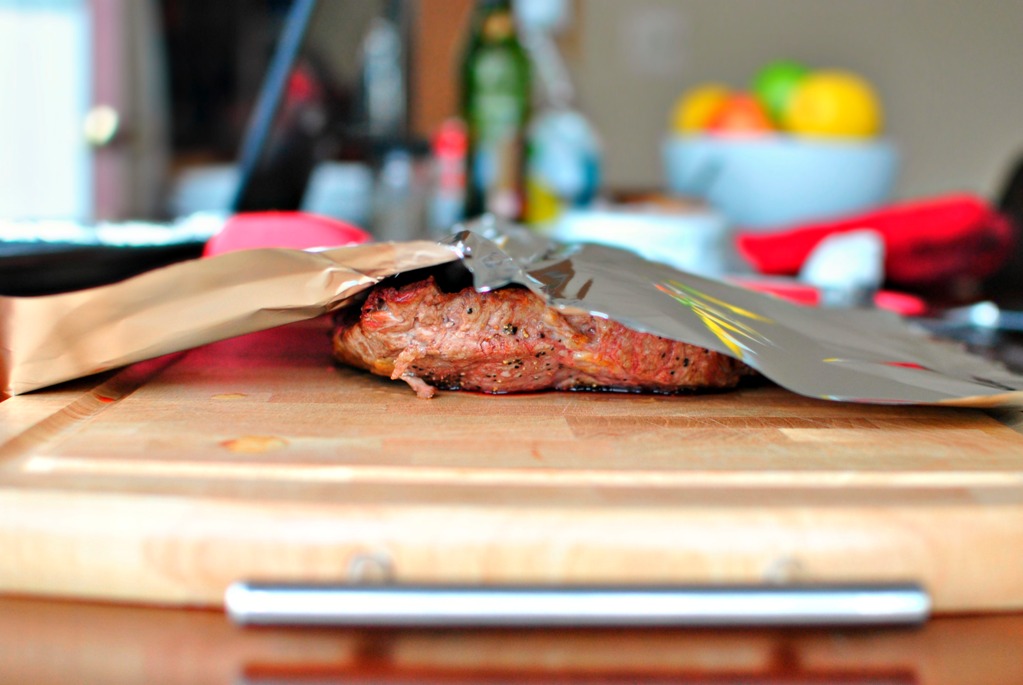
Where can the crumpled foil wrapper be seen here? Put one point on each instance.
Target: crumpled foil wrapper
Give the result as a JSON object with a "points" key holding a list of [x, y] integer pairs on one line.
{"points": [[865, 356]]}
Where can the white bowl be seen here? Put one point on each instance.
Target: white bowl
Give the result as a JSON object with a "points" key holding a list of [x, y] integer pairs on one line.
{"points": [[773, 181]]}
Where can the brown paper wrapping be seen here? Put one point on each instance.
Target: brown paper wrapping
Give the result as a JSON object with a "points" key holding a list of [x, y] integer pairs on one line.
{"points": [[50, 339]]}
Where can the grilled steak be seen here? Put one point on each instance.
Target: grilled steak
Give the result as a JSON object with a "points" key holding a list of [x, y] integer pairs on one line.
{"points": [[510, 340]]}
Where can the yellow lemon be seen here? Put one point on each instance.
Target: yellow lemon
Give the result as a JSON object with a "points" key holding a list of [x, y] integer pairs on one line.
{"points": [[833, 103], [697, 106]]}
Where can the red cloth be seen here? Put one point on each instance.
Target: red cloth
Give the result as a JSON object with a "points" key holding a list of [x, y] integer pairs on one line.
{"points": [[926, 241]]}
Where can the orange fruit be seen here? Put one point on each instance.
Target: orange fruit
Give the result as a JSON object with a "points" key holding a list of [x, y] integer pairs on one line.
{"points": [[741, 114]]}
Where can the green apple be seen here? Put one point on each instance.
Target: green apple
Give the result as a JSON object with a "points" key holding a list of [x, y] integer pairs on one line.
{"points": [[775, 83]]}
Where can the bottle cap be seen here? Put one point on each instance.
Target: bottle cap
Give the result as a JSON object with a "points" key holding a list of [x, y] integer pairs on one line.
{"points": [[451, 138]]}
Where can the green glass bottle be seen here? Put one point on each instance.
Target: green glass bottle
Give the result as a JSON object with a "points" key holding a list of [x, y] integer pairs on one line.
{"points": [[495, 105]]}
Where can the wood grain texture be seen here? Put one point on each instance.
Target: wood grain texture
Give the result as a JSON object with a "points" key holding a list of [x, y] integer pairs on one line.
{"points": [[256, 458]]}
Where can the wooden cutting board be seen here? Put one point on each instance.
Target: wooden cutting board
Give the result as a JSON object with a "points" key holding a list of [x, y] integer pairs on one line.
{"points": [[256, 458]]}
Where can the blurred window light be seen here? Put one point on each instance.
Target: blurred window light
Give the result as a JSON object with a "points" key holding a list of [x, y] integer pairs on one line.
{"points": [[45, 65]]}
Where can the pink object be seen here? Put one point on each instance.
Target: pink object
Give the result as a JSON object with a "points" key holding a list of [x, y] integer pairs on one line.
{"points": [[298, 230]]}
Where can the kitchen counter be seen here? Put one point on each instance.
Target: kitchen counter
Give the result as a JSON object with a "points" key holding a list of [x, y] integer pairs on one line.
{"points": [[51, 642]]}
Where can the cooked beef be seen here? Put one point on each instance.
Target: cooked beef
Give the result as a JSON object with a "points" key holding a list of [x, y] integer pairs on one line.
{"points": [[510, 340]]}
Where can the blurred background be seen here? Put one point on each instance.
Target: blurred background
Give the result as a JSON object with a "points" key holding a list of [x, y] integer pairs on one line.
{"points": [[149, 110]]}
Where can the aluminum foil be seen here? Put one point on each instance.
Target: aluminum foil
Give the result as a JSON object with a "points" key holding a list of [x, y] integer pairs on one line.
{"points": [[848, 355], [851, 355]]}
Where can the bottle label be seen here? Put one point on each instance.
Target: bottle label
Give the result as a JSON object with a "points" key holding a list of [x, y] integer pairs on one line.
{"points": [[498, 102]]}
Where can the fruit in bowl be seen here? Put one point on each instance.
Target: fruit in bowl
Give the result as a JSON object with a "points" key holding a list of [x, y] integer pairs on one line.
{"points": [[833, 103], [740, 114], [775, 83], [800, 144], [785, 97], [694, 109]]}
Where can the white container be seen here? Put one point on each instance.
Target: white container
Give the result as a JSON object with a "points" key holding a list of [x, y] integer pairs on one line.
{"points": [[697, 241], [776, 181]]}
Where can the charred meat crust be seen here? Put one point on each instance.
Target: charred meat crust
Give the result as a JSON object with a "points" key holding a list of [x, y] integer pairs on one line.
{"points": [[509, 340]]}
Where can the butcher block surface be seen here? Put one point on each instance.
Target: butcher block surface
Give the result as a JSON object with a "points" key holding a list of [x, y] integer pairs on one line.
{"points": [[258, 459]]}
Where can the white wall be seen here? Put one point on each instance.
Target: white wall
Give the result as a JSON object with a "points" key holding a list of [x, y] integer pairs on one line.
{"points": [[950, 73]]}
